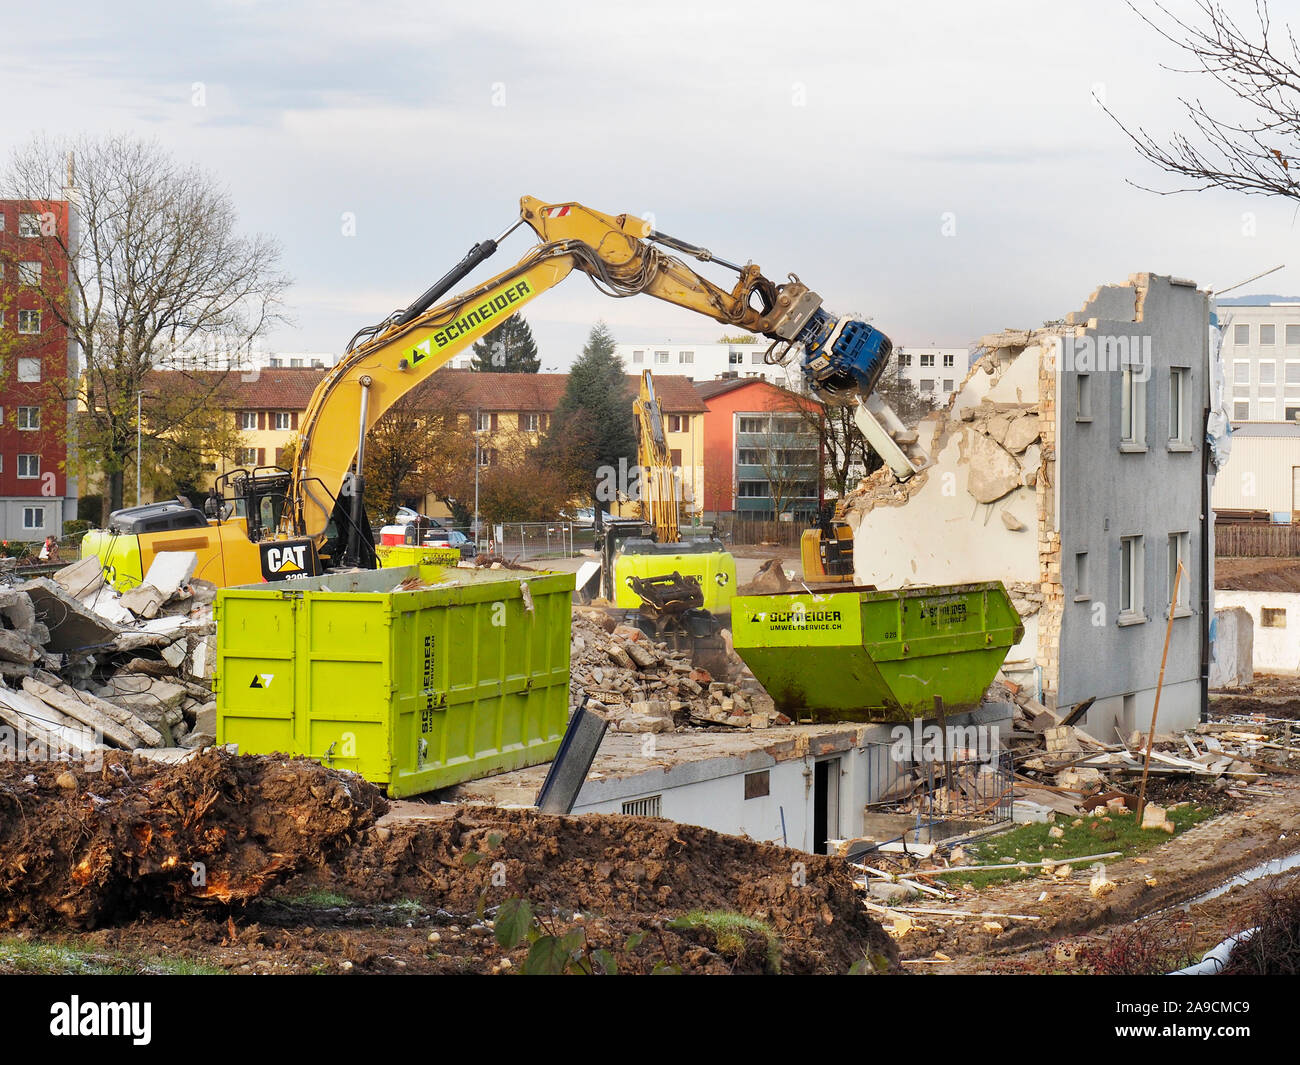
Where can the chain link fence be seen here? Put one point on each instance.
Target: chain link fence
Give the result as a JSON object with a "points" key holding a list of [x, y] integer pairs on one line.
{"points": [[525, 541]]}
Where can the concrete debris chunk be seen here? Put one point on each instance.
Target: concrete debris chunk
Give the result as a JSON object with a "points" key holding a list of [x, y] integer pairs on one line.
{"points": [[143, 600], [14, 647], [1021, 433], [993, 472], [170, 570], [73, 625], [83, 577]]}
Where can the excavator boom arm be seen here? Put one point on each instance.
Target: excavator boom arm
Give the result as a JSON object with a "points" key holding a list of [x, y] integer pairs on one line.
{"points": [[623, 256]]}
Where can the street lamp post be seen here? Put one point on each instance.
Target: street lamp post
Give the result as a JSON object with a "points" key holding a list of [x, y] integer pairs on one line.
{"points": [[477, 444], [139, 393]]}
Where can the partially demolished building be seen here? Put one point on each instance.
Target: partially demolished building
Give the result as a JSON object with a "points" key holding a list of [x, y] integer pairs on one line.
{"points": [[1070, 465]]}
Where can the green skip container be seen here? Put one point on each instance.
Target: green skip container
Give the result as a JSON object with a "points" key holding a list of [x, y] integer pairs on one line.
{"points": [[876, 655], [413, 689]]}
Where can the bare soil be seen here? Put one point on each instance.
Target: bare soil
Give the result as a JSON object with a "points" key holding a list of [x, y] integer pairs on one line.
{"points": [[1269, 694], [302, 876], [80, 848], [1257, 574]]}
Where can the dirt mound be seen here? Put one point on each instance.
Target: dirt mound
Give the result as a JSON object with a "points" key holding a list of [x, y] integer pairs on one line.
{"points": [[83, 848], [1257, 574], [638, 875]]}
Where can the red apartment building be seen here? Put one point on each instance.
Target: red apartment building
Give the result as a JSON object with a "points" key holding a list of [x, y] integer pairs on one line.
{"points": [[36, 493], [762, 458]]}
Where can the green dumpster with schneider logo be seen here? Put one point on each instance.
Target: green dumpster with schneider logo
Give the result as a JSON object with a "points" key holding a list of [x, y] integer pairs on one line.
{"points": [[415, 677], [876, 655]]}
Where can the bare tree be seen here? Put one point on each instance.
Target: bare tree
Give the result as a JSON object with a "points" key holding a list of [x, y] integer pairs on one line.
{"points": [[155, 265], [1250, 140], [788, 457], [846, 455], [418, 446]]}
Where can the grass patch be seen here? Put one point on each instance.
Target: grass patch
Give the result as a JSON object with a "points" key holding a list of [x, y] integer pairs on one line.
{"points": [[318, 899], [55, 959], [735, 933], [1095, 835]]}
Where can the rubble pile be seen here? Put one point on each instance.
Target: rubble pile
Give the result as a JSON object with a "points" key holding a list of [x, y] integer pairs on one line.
{"points": [[639, 685], [1062, 769], [84, 669]]}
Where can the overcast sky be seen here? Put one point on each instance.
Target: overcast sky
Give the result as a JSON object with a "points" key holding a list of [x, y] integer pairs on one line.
{"points": [[829, 140]]}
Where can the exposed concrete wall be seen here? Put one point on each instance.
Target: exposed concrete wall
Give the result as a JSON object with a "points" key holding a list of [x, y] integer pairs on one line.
{"points": [[1233, 648], [973, 514], [1150, 489], [1022, 481], [1276, 646]]}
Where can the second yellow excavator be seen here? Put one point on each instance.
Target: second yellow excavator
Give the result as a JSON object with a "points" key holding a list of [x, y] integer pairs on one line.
{"points": [[275, 524], [646, 564]]}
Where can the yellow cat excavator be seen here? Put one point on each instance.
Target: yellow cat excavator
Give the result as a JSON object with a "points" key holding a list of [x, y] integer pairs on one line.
{"points": [[275, 523], [645, 563]]}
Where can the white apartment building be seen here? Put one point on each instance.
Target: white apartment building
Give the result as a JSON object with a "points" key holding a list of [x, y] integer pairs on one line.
{"points": [[305, 360], [934, 372], [708, 362], [1261, 356], [203, 359]]}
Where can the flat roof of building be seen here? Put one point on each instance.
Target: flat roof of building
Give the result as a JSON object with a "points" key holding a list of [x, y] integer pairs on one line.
{"points": [[676, 758], [1273, 429]]}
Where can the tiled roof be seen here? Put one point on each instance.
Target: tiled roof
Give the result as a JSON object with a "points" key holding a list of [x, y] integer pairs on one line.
{"points": [[708, 389], [541, 392], [266, 389], [291, 389]]}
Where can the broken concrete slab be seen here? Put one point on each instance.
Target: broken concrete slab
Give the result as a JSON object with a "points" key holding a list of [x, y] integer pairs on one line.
{"points": [[104, 603], [993, 472], [1021, 433], [143, 600], [114, 723], [82, 577], [73, 626], [205, 718], [203, 658], [996, 428], [170, 570], [16, 647], [17, 611]]}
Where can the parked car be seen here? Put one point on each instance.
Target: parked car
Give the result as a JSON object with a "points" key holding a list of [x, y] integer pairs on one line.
{"points": [[451, 538], [581, 516], [405, 515]]}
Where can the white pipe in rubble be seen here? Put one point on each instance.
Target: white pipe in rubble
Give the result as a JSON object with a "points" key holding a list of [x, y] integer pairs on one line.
{"points": [[1216, 958]]}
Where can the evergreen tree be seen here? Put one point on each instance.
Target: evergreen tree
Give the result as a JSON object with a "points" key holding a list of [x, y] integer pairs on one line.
{"points": [[593, 427], [509, 348]]}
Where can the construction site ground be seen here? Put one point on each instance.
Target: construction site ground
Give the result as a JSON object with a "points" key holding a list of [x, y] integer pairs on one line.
{"points": [[305, 871], [1257, 574], [314, 874], [1039, 924], [415, 889]]}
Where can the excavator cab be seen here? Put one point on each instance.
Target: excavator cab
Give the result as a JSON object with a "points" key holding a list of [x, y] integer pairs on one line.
{"points": [[826, 550], [257, 495]]}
